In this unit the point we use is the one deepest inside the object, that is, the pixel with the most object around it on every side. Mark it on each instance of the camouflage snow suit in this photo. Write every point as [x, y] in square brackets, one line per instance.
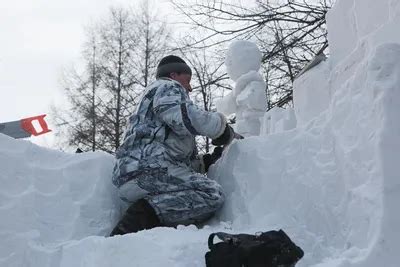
[158, 160]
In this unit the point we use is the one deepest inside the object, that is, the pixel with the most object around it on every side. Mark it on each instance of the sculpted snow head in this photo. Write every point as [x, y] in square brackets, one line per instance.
[241, 58]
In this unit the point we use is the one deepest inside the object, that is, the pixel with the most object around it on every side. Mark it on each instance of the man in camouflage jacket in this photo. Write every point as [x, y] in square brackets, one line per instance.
[158, 172]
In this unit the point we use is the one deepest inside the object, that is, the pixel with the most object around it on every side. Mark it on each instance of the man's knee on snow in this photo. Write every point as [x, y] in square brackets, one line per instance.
[217, 196]
[139, 216]
[194, 204]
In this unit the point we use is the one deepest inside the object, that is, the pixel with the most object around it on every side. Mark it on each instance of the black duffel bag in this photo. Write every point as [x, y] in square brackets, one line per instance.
[268, 249]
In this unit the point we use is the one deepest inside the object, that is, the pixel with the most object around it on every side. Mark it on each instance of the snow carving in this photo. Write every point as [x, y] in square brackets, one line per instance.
[248, 98]
[278, 120]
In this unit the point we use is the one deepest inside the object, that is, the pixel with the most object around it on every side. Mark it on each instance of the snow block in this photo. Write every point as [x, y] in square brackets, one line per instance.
[385, 77]
[342, 30]
[278, 120]
[311, 93]
[50, 197]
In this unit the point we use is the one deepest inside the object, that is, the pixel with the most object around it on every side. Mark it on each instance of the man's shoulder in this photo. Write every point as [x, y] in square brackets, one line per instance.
[166, 86]
[167, 82]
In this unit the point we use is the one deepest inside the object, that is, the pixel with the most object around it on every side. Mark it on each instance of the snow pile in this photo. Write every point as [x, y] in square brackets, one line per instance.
[56, 209]
[247, 99]
[331, 183]
[49, 197]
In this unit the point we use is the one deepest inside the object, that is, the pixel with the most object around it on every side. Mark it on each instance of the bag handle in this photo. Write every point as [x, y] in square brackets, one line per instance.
[225, 237]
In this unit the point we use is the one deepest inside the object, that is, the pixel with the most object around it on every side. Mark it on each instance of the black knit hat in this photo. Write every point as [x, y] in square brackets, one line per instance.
[170, 64]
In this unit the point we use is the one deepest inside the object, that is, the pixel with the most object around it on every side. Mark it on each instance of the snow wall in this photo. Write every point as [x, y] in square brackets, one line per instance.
[48, 198]
[331, 183]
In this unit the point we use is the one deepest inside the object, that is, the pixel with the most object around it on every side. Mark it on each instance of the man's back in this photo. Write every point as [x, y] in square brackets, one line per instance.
[149, 143]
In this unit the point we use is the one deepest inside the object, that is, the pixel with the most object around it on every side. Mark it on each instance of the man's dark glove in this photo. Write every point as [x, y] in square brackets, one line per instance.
[225, 138]
[210, 159]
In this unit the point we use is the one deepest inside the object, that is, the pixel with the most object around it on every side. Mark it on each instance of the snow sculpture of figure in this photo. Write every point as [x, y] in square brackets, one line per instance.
[248, 97]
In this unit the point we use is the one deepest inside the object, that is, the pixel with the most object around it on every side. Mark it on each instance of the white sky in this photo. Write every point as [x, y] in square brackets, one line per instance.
[37, 39]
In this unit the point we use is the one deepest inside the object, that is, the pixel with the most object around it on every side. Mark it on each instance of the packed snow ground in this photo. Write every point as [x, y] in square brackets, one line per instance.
[331, 182]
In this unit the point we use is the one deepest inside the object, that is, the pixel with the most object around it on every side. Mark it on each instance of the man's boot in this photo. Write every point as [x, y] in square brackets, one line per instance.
[139, 216]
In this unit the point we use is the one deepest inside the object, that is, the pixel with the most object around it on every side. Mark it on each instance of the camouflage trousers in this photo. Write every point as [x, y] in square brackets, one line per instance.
[177, 194]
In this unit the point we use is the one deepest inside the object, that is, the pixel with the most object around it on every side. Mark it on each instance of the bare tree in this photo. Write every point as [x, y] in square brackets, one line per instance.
[118, 65]
[117, 56]
[91, 53]
[152, 38]
[132, 43]
[289, 33]
[79, 122]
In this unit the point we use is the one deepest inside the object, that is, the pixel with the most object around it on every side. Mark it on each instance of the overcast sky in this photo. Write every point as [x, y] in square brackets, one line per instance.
[38, 38]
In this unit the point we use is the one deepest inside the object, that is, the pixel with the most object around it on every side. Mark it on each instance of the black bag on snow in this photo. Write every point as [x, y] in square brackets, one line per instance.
[268, 249]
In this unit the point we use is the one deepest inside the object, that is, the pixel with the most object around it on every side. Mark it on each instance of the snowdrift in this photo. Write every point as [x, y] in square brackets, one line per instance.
[49, 197]
[56, 209]
[331, 183]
